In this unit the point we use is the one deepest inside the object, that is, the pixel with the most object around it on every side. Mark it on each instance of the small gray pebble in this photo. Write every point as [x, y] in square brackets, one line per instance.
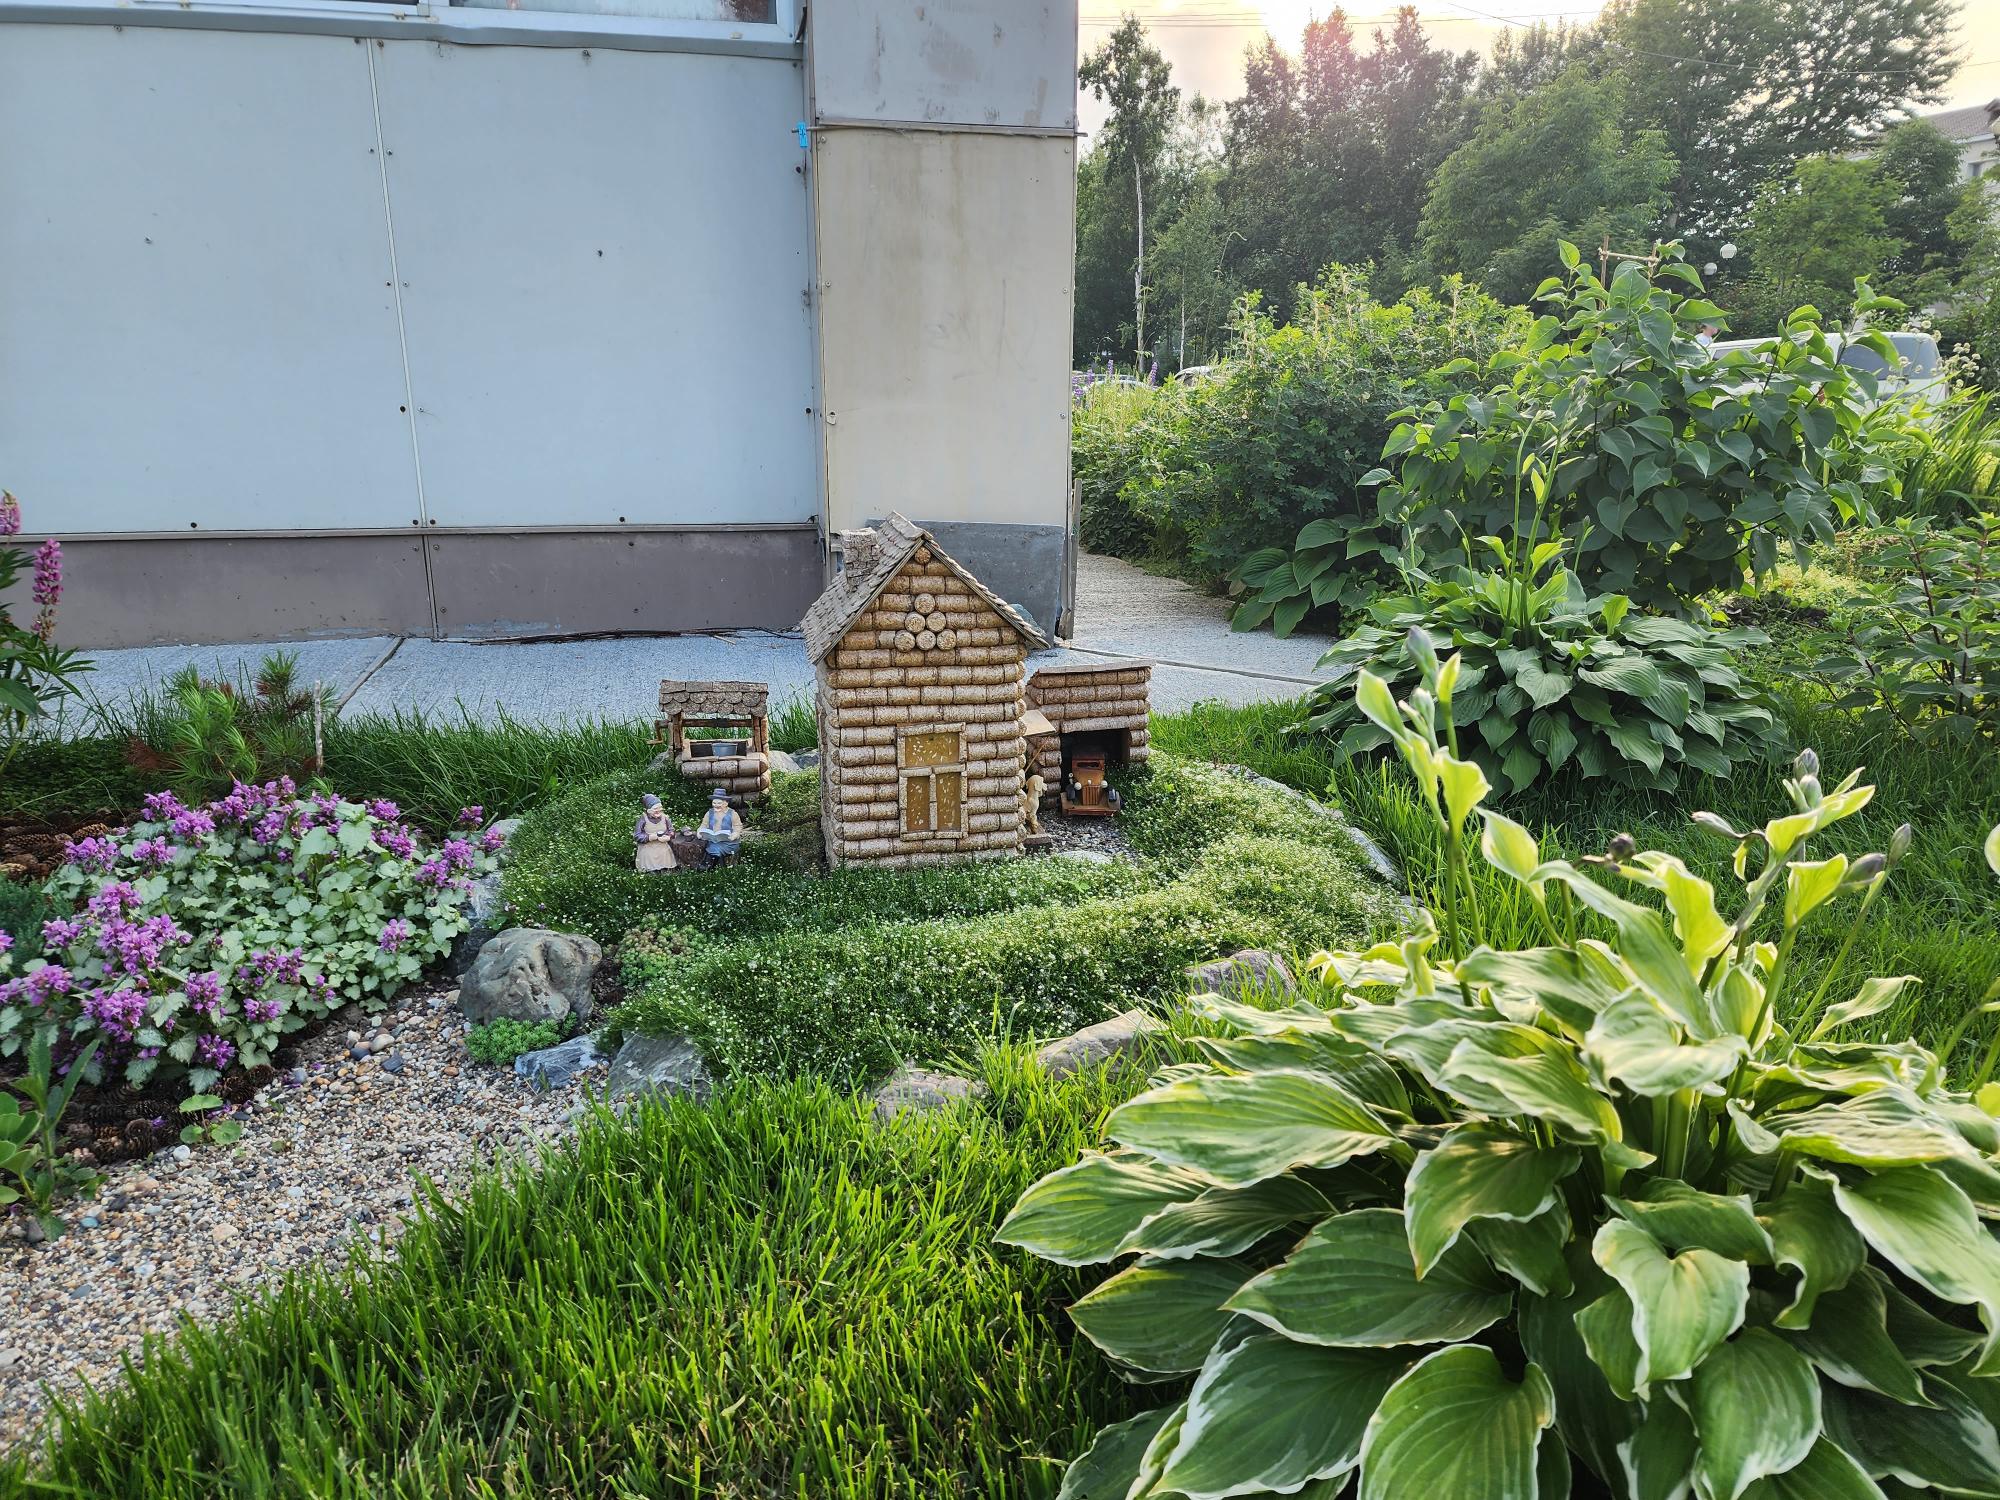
[296, 1077]
[88, 1221]
[183, 1153]
[359, 1052]
[393, 1063]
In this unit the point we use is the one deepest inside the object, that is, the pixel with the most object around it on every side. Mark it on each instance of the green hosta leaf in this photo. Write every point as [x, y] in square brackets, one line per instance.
[1755, 1405]
[1926, 1227]
[1456, 1428]
[1352, 1281]
[1530, 1252]
[1240, 1129]
[1658, 1459]
[1810, 1234]
[1923, 1338]
[1366, 1076]
[1849, 1339]
[1826, 1473]
[1509, 847]
[1542, 685]
[1083, 1213]
[1605, 1326]
[1109, 1466]
[1163, 1318]
[1637, 1044]
[1680, 1217]
[1646, 948]
[1632, 675]
[1479, 1171]
[1592, 1419]
[1950, 1445]
[1887, 1128]
[1559, 978]
[1875, 996]
[1809, 884]
[1548, 1083]
[1465, 787]
[1226, 1221]
[1273, 1415]
[1682, 1305]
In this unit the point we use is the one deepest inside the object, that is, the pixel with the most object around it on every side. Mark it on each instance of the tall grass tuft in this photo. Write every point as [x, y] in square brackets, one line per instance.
[1949, 470]
[770, 1296]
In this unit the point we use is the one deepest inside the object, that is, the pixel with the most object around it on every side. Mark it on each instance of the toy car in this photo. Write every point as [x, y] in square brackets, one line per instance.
[1084, 792]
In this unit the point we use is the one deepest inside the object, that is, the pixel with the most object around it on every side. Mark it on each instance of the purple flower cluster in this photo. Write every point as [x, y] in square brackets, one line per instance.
[60, 932]
[492, 841]
[434, 871]
[91, 854]
[268, 965]
[46, 590]
[155, 851]
[6, 941]
[204, 992]
[394, 936]
[118, 1013]
[136, 948]
[397, 841]
[382, 810]
[471, 817]
[217, 1052]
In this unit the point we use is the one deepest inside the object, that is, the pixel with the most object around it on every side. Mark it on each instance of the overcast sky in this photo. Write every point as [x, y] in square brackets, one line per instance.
[1204, 39]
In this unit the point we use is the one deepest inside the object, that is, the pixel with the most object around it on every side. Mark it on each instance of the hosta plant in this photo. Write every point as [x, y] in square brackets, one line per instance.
[1631, 1213]
[1554, 680]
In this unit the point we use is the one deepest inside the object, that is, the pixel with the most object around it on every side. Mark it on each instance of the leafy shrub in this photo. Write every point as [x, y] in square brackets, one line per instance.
[1674, 468]
[1283, 435]
[208, 736]
[1554, 680]
[34, 671]
[203, 935]
[1470, 1218]
[1104, 448]
[501, 1040]
[1925, 654]
[849, 1004]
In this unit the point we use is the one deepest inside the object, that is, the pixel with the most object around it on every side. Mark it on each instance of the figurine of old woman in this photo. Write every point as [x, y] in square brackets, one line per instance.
[654, 836]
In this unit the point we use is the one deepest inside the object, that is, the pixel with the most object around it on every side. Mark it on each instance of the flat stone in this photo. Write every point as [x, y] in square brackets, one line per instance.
[1086, 856]
[1121, 1036]
[921, 1091]
[1229, 977]
[806, 760]
[559, 1066]
[531, 974]
[659, 1064]
[784, 763]
[393, 1063]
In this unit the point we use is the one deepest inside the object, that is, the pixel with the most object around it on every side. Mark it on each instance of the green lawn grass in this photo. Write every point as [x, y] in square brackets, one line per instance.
[770, 1296]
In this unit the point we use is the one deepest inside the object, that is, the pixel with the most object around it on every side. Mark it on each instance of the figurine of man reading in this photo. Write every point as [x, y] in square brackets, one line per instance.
[720, 830]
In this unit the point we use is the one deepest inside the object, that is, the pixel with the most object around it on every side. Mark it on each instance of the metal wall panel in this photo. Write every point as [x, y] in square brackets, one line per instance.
[605, 267]
[196, 322]
[945, 287]
[946, 62]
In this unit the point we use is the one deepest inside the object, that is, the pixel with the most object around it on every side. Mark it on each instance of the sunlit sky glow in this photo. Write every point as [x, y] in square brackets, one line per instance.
[1204, 39]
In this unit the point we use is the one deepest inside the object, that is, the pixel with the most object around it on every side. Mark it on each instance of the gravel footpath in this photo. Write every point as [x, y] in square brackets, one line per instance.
[321, 1162]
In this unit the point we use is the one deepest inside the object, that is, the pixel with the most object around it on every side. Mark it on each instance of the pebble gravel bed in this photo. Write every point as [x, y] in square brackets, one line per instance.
[331, 1155]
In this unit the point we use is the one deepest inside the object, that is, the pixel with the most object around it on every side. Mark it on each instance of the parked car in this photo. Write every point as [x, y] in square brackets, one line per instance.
[1918, 376]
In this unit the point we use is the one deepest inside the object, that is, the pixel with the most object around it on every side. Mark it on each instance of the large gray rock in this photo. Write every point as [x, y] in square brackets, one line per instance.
[531, 974]
[1252, 968]
[806, 760]
[783, 763]
[559, 1066]
[1121, 1036]
[658, 1064]
[913, 1090]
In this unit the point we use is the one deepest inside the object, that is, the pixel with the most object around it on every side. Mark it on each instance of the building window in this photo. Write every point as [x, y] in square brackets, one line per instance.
[756, 11]
[932, 767]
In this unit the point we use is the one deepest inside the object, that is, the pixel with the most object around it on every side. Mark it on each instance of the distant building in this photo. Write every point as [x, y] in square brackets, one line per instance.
[1975, 130]
[503, 318]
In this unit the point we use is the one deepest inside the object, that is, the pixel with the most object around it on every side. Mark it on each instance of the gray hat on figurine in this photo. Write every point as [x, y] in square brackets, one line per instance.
[649, 800]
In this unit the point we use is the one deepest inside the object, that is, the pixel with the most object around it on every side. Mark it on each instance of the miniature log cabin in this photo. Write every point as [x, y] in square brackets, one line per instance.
[715, 709]
[1096, 707]
[921, 671]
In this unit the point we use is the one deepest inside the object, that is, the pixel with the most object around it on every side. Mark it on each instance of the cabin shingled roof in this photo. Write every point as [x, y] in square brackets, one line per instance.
[847, 598]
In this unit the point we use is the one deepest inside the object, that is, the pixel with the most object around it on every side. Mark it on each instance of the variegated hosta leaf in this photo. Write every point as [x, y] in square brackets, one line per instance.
[1634, 1043]
[1161, 1318]
[1950, 1445]
[1809, 884]
[1658, 1459]
[1479, 1171]
[1682, 1305]
[1646, 949]
[1226, 1221]
[1849, 1341]
[1456, 1428]
[1548, 1083]
[1352, 1281]
[1562, 980]
[1252, 1020]
[1680, 1217]
[1361, 1072]
[1924, 1338]
[1756, 1409]
[1530, 1252]
[1083, 1213]
[1591, 1418]
[1108, 1468]
[1875, 996]
[1925, 1226]
[1271, 1414]
[1509, 847]
[1826, 1473]
[1887, 1128]
[1697, 923]
[1811, 1235]
[1237, 1129]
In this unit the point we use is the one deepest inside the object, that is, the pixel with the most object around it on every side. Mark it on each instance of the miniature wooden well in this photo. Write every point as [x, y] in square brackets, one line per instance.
[920, 679]
[1094, 705]
[688, 706]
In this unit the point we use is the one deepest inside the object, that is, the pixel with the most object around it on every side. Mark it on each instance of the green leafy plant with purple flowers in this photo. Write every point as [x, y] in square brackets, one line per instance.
[34, 671]
[201, 936]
